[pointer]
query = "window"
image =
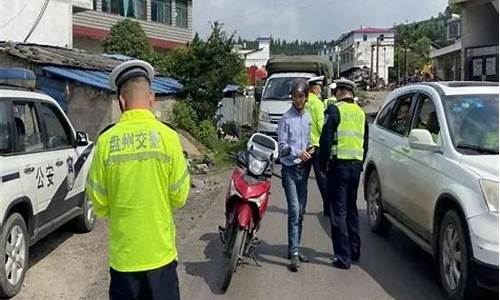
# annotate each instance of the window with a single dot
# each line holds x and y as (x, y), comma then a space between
(383, 116)
(58, 133)
(5, 130)
(181, 9)
(365, 37)
(427, 117)
(161, 11)
(473, 123)
(127, 8)
(28, 134)
(401, 116)
(381, 37)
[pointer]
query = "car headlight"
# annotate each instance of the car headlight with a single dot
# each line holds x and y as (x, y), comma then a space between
(264, 116)
(256, 166)
(490, 193)
(259, 199)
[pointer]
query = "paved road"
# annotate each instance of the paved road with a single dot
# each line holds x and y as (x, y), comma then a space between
(390, 267)
(65, 265)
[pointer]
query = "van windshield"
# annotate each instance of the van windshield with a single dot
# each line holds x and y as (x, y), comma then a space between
(278, 88)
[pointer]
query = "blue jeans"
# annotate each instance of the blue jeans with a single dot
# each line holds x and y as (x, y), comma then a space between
(294, 181)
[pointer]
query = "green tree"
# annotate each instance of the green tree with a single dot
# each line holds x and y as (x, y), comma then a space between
(128, 38)
(205, 69)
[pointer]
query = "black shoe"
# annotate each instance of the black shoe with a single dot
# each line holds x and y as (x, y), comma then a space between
(340, 265)
(294, 263)
(303, 258)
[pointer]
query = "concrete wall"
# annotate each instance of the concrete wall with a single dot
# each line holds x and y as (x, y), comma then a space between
(54, 28)
(90, 110)
(480, 25)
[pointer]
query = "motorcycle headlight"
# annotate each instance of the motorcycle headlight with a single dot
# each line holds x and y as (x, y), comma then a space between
(490, 193)
(256, 166)
(264, 116)
(259, 199)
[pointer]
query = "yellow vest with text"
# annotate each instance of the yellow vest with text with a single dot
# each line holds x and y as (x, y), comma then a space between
(350, 132)
(137, 177)
(316, 109)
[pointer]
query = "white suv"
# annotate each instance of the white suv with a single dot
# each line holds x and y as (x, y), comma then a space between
(43, 168)
(432, 171)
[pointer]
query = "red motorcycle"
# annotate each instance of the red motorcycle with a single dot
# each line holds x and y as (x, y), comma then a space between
(246, 202)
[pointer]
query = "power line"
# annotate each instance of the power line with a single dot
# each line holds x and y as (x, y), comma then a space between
(16, 15)
(40, 15)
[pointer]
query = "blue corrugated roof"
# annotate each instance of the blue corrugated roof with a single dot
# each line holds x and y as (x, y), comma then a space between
(100, 79)
(231, 88)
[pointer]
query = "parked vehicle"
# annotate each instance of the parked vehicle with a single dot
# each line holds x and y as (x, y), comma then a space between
(283, 70)
(432, 171)
(246, 202)
(43, 167)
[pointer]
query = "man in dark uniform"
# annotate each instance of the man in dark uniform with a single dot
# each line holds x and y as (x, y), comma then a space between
(343, 144)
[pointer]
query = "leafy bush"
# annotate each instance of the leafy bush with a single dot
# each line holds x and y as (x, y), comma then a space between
(184, 116)
(206, 132)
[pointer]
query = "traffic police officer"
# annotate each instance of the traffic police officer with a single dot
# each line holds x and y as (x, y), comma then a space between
(332, 98)
(137, 178)
(343, 143)
(316, 109)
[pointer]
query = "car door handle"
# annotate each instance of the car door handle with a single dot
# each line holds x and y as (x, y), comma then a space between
(382, 138)
(405, 149)
(28, 170)
(59, 163)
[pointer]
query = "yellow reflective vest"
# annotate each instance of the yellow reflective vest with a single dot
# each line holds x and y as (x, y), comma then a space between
(330, 101)
(316, 109)
(137, 177)
(350, 132)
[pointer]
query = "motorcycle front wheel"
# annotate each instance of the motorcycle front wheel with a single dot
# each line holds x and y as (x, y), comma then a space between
(240, 235)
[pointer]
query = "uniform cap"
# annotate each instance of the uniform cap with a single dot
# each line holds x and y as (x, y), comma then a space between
(128, 70)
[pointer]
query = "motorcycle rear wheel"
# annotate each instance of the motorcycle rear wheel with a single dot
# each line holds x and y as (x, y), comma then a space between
(240, 236)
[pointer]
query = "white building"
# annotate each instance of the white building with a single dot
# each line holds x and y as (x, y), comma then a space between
(84, 24)
(257, 57)
(333, 54)
(40, 21)
(359, 49)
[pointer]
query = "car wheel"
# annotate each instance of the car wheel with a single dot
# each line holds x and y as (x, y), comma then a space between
(454, 258)
(86, 221)
(14, 250)
(378, 222)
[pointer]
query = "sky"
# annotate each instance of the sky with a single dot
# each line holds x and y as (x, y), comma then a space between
(308, 20)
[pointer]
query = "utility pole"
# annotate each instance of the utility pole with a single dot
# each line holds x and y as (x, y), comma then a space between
(371, 66)
(377, 72)
(406, 64)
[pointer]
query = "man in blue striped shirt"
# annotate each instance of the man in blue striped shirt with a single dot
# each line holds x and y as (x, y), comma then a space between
(294, 130)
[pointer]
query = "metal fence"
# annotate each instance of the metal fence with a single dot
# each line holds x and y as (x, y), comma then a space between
(239, 109)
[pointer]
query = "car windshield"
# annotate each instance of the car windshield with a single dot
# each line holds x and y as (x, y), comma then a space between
(473, 123)
(278, 88)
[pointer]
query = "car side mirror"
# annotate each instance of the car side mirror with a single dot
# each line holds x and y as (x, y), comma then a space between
(82, 138)
(421, 139)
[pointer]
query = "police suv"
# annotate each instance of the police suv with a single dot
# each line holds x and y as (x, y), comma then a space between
(43, 167)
